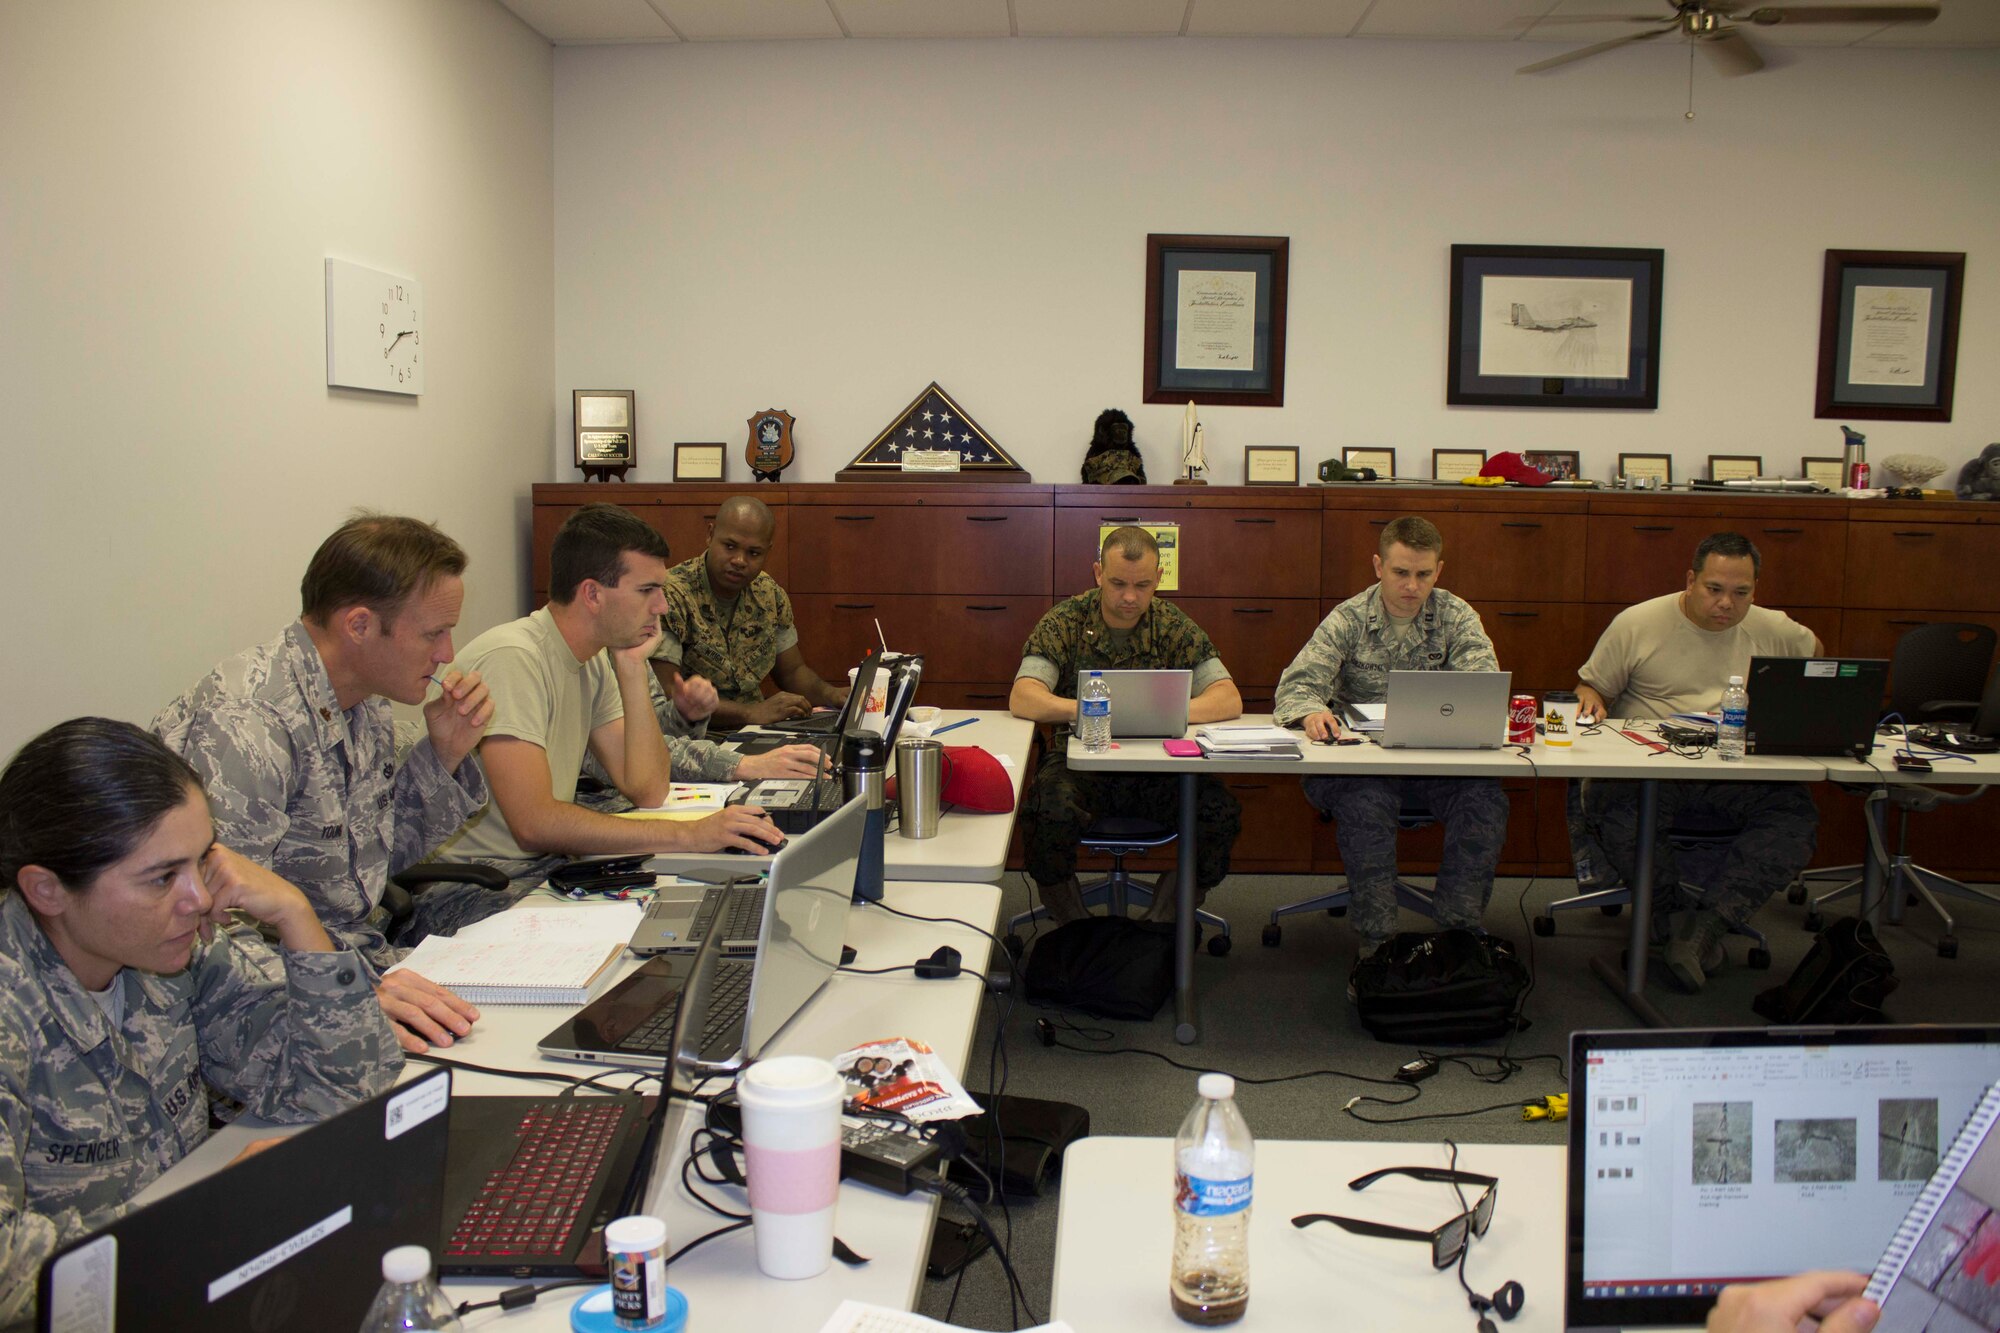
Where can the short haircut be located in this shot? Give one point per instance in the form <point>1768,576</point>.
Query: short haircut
<point>1134,543</point>
<point>748,508</point>
<point>376,561</point>
<point>592,545</point>
<point>1419,534</point>
<point>1729,545</point>
<point>83,795</point>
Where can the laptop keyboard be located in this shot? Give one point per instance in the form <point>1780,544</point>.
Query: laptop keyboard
<point>741,912</point>
<point>728,998</point>
<point>531,1205</point>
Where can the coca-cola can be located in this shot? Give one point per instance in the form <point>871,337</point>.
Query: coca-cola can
<point>1858,476</point>
<point>1521,714</point>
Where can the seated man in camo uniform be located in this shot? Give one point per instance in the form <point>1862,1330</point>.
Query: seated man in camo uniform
<point>1117,624</point>
<point>1403,622</point>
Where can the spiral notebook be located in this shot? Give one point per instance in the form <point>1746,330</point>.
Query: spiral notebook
<point>1942,1268</point>
<point>516,971</point>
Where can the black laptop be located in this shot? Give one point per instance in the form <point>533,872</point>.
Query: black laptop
<point>291,1239</point>
<point>793,730</point>
<point>1815,705</point>
<point>797,804</point>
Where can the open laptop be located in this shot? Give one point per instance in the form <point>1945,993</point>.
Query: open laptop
<point>832,723</point>
<point>1704,1157</point>
<point>1446,710</point>
<point>747,1000</point>
<point>797,804</point>
<point>291,1239</point>
<point>1815,705</point>
<point>1145,703</point>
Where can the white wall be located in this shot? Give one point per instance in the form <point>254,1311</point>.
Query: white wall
<point>171,179</point>
<point>826,226</point>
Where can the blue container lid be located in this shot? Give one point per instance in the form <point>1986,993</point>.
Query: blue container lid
<point>591,1313</point>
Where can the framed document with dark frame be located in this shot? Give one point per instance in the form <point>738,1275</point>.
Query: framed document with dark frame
<point>606,429</point>
<point>700,462</point>
<point>1456,464</point>
<point>1556,464</point>
<point>1735,467</point>
<point>1270,465</point>
<point>1215,319</point>
<point>1647,465</point>
<point>1367,455</point>
<point>1554,326</point>
<point>1828,472</point>
<point>1888,334</point>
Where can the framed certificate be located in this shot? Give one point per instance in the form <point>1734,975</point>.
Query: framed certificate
<point>1215,319</point>
<point>1735,467</point>
<point>1888,334</point>
<point>1828,472</point>
<point>1657,468</point>
<point>699,462</point>
<point>1382,460</point>
<point>1456,464</point>
<point>1271,465</point>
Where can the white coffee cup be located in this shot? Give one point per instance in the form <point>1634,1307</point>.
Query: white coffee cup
<point>791,1136</point>
<point>1559,710</point>
<point>873,712</point>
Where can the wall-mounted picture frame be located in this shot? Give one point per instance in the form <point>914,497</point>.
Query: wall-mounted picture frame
<point>700,462</point>
<point>606,427</point>
<point>1363,455</point>
<point>1456,464</point>
<point>1659,468</point>
<point>1828,472</point>
<point>1554,326</point>
<point>1735,467</point>
<point>1888,334</point>
<point>1556,464</point>
<point>1270,465</point>
<point>1215,319</point>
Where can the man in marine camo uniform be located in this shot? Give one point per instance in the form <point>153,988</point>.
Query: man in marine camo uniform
<point>1404,622</point>
<point>1120,625</point>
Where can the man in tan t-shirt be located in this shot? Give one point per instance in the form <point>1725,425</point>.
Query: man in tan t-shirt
<point>1675,654</point>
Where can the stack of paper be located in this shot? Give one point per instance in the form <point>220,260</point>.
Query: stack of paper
<point>1248,741</point>
<point>1366,719</point>
<point>689,800</point>
<point>530,961</point>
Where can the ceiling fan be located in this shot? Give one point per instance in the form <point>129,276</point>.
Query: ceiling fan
<point>1716,27</point>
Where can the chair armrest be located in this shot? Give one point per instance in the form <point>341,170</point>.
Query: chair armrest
<point>1949,710</point>
<point>450,872</point>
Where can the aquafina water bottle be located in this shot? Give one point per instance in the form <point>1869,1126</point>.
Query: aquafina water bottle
<point>1093,721</point>
<point>1213,1156</point>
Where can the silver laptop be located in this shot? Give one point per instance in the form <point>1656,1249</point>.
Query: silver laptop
<point>1446,710</point>
<point>681,916</point>
<point>1704,1157</point>
<point>1145,703</point>
<point>744,1002</point>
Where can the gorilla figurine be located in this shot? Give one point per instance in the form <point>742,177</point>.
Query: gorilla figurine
<point>1980,478</point>
<point>1113,459</point>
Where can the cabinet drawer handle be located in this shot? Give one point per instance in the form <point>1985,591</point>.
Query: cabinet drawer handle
<point>1651,527</point>
<point>1520,615</point>
<point>985,608</point>
<point>1906,622</point>
<point>1913,534</point>
<point>1250,610</point>
<point>1256,520</point>
<point>986,518</point>
<point>854,518</point>
<point>1783,532</point>
<point>1520,525</point>
<point>1244,786</point>
<point>1378,522</point>
<point>854,606</point>
<point>1117,518</point>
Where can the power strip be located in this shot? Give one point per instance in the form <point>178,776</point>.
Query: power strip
<point>871,1152</point>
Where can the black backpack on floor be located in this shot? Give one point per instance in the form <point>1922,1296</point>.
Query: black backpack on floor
<point>1110,966</point>
<point>1844,978</point>
<point>1440,987</point>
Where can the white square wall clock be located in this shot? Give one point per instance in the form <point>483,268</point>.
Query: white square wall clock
<point>374,329</point>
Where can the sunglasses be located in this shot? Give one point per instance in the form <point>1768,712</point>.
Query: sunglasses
<point>1448,1241</point>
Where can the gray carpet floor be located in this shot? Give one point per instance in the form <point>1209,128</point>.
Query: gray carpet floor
<point>1278,1011</point>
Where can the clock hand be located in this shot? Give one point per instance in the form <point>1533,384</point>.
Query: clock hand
<point>399,337</point>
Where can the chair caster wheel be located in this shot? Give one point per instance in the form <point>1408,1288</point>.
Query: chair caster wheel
<point>1813,922</point>
<point>1272,934</point>
<point>1761,959</point>
<point>1948,947</point>
<point>1909,900</point>
<point>1219,947</point>
<point>1545,926</point>
<point>1613,910</point>
<point>1795,893</point>
<point>1014,943</point>
<point>1336,911</point>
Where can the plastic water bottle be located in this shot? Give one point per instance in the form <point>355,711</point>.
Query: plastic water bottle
<point>409,1298</point>
<point>1213,1156</point>
<point>1735,715</point>
<point>1093,722</point>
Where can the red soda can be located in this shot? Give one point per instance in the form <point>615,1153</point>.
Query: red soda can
<point>1521,714</point>
<point>1858,476</point>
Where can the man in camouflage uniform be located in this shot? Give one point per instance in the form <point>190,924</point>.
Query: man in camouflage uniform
<point>297,744</point>
<point>1404,622</point>
<point>729,621</point>
<point>1117,625</point>
<point>1674,654</point>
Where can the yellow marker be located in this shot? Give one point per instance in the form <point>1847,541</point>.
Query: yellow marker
<point>1482,481</point>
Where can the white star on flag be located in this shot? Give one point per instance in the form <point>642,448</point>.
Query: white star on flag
<point>909,430</point>
<point>927,432</point>
<point>894,447</point>
<point>966,438</point>
<point>927,416</point>
<point>986,458</point>
<point>946,416</point>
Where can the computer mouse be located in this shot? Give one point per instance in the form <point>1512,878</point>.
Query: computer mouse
<point>744,851</point>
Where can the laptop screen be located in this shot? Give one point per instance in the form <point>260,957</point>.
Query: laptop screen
<point>1703,1158</point>
<point>812,889</point>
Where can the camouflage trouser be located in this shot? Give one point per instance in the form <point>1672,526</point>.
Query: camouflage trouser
<point>1779,822</point>
<point>1474,814</point>
<point>1060,805</point>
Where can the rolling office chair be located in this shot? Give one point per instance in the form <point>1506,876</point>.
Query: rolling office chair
<point>399,894</point>
<point>1119,838</point>
<point>1935,675</point>
<point>1415,814</point>
<point>1904,881</point>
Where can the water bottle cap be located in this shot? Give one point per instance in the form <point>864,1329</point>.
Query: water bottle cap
<point>1736,680</point>
<point>1216,1086</point>
<point>406,1263</point>
<point>1095,674</point>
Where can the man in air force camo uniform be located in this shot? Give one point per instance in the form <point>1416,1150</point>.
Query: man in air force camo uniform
<point>729,621</point>
<point>297,744</point>
<point>1118,624</point>
<point>1405,622</point>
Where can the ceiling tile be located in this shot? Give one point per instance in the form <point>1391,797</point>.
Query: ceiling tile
<point>1276,18</point>
<point>1099,18</point>
<point>748,20</point>
<point>923,18</point>
<point>566,21</point>
<point>1492,20</point>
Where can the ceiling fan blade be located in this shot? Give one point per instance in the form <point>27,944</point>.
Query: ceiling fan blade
<point>1584,52</point>
<point>1771,14</point>
<point>1539,20</point>
<point>1733,53</point>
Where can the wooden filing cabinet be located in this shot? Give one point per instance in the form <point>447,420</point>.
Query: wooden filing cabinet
<point>681,514</point>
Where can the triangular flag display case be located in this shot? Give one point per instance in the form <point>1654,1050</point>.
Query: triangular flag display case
<point>933,421</point>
